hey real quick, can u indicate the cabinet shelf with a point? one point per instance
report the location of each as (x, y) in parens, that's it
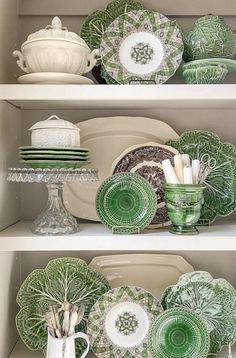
(113, 96)
(95, 237)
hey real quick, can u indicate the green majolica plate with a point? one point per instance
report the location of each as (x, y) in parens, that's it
(53, 152)
(73, 149)
(230, 64)
(179, 333)
(214, 300)
(63, 280)
(53, 157)
(141, 47)
(96, 24)
(220, 192)
(55, 164)
(126, 203)
(119, 323)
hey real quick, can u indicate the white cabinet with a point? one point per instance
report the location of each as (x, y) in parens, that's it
(184, 107)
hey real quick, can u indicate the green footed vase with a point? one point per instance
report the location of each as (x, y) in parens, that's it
(184, 203)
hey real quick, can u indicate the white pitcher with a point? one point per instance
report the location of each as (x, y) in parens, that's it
(65, 347)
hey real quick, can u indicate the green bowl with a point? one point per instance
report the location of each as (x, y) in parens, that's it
(211, 74)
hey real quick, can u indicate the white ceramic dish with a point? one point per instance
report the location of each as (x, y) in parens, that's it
(55, 49)
(51, 78)
(107, 138)
(153, 272)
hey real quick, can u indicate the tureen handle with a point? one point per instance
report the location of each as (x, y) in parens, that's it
(92, 60)
(21, 61)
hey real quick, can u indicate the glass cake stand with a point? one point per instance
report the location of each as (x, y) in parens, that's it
(55, 219)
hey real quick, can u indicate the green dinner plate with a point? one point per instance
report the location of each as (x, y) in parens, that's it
(53, 152)
(179, 333)
(55, 164)
(126, 203)
(74, 149)
(53, 157)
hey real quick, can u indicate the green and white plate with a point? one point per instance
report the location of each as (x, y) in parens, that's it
(220, 192)
(73, 149)
(55, 164)
(119, 323)
(53, 157)
(63, 280)
(126, 203)
(214, 300)
(96, 23)
(53, 152)
(179, 333)
(141, 47)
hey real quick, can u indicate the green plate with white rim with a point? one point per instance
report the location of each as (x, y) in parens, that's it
(214, 300)
(179, 333)
(229, 63)
(66, 149)
(141, 47)
(55, 164)
(126, 203)
(220, 192)
(120, 321)
(53, 152)
(53, 157)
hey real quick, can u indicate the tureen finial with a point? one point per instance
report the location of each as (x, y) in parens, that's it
(56, 23)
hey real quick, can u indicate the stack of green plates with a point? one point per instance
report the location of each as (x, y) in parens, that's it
(44, 157)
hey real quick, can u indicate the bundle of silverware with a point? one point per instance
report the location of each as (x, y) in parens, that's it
(62, 320)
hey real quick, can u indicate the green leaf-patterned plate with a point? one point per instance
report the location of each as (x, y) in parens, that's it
(54, 157)
(96, 23)
(214, 300)
(179, 333)
(141, 47)
(220, 193)
(66, 149)
(55, 164)
(119, 323)
(126, 203)
(63, 279)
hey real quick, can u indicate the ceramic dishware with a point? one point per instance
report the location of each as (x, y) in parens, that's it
(126, 203)
(146, 160)
(55, 49)
(55, 163)
(141, 47)
(210, 37)
(184, 203)
(30, 149)
(153, 272)
(63, 280)
(214, 300)
(120, 321)
(179, 333)
(54, 78)
(55, 131)
(229, 63)
(116, 134)
(220, 192)
(205, 75)
(65, 347)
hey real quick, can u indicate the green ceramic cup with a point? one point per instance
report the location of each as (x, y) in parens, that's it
(184, 203)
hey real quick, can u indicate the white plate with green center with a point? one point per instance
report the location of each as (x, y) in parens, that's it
(119, 323)
(141, 47)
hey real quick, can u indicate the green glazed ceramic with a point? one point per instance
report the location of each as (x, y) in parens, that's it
(120, 322)
(126, 203)
(220, 193)
(210, 74)
(209, 37)
(96, 24)
(184, 203)
(142, 47)
(73, 149)
(214, 300)
(179, 333)
(53, 152)
(53, 157)
(230, 64)
(63, 280)
(55, 164)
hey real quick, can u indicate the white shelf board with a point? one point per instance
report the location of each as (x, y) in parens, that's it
(95, 237)
(124, 96)
(21, 351)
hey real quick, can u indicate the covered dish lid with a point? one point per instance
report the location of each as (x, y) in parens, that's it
(54, 122)
(56, 31)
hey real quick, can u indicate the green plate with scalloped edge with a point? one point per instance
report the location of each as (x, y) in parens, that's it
(126, 203)
(179, 333)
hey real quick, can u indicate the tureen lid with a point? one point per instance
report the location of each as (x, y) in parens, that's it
(54, 122)
(56, 31)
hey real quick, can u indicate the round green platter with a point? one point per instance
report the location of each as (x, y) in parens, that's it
(55, 164)
(179, 333)
(126, 203)
(74, 149)
(53, 157)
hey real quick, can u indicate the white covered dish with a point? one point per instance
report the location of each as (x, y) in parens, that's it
(55, 49)
(55, 132)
